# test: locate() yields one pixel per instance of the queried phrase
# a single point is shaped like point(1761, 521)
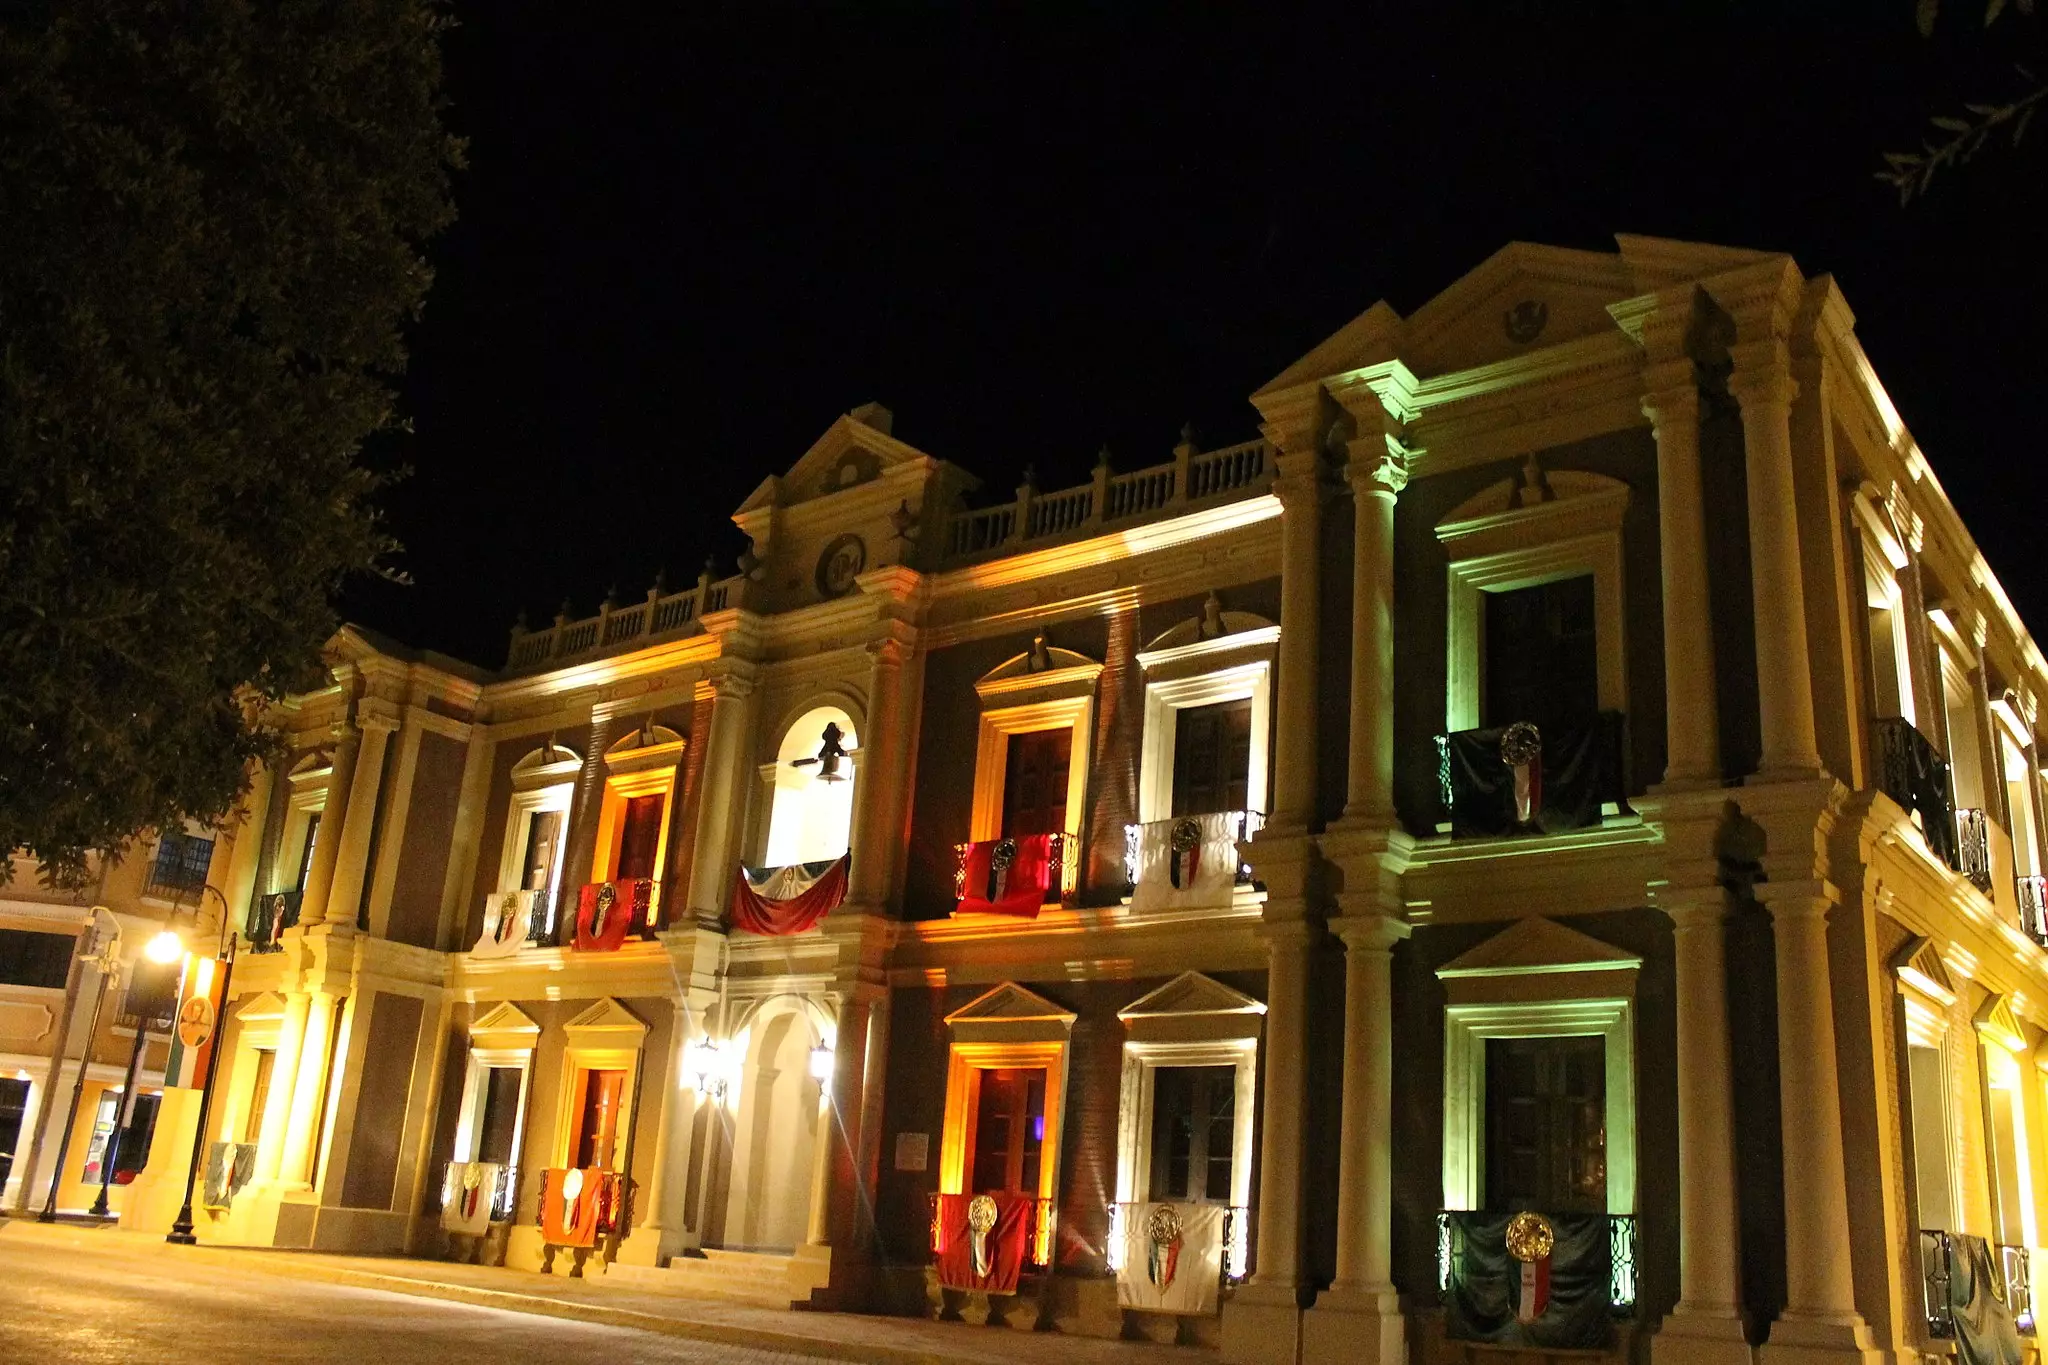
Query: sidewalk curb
point(280, 1264)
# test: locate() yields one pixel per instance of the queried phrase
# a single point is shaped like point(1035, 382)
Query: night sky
point(693, 234)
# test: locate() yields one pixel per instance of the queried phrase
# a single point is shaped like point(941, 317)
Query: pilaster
point(1671, 400)
point(719, 811)
point(1295, 428)
point(333, 815)
point(1377, 472)
point(377, 720)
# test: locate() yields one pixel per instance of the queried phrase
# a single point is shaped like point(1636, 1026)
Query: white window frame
point(1233, 667)
point(1016, 701)
point(503, 1038)
point(306, 797)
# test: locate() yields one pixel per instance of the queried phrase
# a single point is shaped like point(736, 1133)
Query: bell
point(830, 752)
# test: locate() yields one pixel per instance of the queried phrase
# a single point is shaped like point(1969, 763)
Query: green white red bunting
point(198, 1022)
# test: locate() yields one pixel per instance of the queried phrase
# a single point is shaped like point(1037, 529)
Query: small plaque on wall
point(913, 1151)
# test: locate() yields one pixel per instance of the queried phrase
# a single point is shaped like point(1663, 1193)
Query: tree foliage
point(211, 221)
point(1957, 138)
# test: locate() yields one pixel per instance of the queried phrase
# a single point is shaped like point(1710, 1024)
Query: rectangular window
point(1194, 1121)
point(2019, 804)
point(543, 844)
point(136, 1137)
point(1009, 1130)
point(2003, 1125)
point(1212, 757)
point(30, 958)
point(13, 1109)
point(306, 852)
point(259, 1095)
point(501, 1115)
point(1542, 659)
point(1927, 1092)
point(1546, 1124)
point(599, 1097)
point(1035, 782)
point(1965, 762)
point(180, 866)
point(639, 837)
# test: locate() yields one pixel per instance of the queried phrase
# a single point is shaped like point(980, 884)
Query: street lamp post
point(224, 953)
point(163, 950)
point(106, 956)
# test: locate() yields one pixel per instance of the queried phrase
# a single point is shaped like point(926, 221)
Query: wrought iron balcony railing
point(1973, 846)
point(1939, 1251)
point(1246, 823)
point(2033, 899)
point(1623, 1257)
point(614, 1201)
point(1037, 1251)
point(270, 914)
point(1517, 779)
point(1912, 773)
point(504, 1194)
point(1237, 1238)
point(1062, 865)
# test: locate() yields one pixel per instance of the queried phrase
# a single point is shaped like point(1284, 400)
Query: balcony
point(2033, 899)
point(1037, 1249)
point(1189, 861)
point(504, 1194)
point(1237, 1238)
point(1515, 780)
point(270, 914)
point(613, 1203)
point(1193, 478)
point(1475, 1263)
point(1911, 773)
point(1973, 847)
point(660, 616)
point(1945, 1271)
point(1016, 875)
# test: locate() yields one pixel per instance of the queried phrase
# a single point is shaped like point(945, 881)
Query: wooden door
point(1194, 1126)
point(639, 837)
point(601, 1096)
point(1009, 1130)
point(1035, 782)
point(1212, 757)
point(1542, 657)
point(1546, 1124)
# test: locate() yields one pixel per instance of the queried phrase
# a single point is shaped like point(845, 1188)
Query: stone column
point(1377, 474)
point(300, 1161)
point(377, 720)
point(1762, 382)
point(274, 1122)
point(660, 1232)
point(722, 809)
point(333, 815)
point(583, 814)
point(1706, 1327)
point(1691, 712)
point(834, 1259)
point(1360, 1318)
point(1299, 488)
point(1820, 1317)
point(880, 768)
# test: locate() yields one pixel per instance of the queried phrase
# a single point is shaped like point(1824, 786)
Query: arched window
point(812, 815)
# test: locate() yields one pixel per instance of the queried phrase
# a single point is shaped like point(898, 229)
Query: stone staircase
point(753, 1277)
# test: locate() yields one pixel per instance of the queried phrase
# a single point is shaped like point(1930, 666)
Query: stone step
point(752, 1277)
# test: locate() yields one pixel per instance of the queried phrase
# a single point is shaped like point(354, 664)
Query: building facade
point(1575, 763)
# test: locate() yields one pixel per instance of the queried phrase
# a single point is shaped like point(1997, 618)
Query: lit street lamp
point(224, 953)
point(161, 952)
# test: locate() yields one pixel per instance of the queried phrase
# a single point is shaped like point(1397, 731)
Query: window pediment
point(1997, 1024)
point(606, 1023)
point(1009, 1013)
point(1918, 965)
point(504, 1025)
point(1539, 958)
point(263, 1008)
point(1041, 672)
point(1190, 993)
point(1534, 507)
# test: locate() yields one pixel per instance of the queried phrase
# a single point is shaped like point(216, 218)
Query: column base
point(1808, 1339)
point(1362, 1325)
point(1262, 1326)
point(1701, 1337)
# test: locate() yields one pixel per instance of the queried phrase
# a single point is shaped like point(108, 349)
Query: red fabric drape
point(1004, 1244)
point(625, 910)
point(1021, 889)
point(754, 913)
point(569, 1219)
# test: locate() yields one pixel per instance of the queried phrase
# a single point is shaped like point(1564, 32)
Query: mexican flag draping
point(1172, 1258)
point(773, 901)
point(570, 1204)
point(1516, 778)
point(1008, 876)
point(466, 1199)
point(198, 1022)
point(607, 911)
point(981, 1239)
point(1980, 1302)
point(508, 922)
point(1187, 861)
point(1527, 1279)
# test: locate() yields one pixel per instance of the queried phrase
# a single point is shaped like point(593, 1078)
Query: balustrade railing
point(1973, 846)
point(660, 613)
point(2033, 899)
point(1915, 775)
point(1939, 1254)
point(1194, 477)
point(270, 914)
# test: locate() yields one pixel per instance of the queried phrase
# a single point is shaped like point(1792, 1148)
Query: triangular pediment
point(1521, 299)
point(606, 1016)
point(503, 1019)
point(261, 1008)
point(1371, 338)
point(1190, 993)
point(1010, 1003)
point(1918, 964)
point(1538, 945)
point(1656, 263)
point(852, 451)
point(1996, 1023)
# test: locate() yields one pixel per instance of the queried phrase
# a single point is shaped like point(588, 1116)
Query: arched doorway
point(775, 1134)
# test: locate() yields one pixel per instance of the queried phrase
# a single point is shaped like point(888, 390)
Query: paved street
point(83, 1307)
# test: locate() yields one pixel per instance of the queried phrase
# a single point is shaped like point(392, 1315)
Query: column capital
point(1763, 375)
point(1708, 910)
point(734, 683)
point(1671, 393)
point(1298, 475)
point(1796, 902)
point(1370, 933)
point(375, 713)
point(1288, 933)
point(1378, 466)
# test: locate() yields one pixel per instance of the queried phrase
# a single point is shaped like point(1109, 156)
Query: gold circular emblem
point(572, 1186)
point(1530, 1236)
point(1520, 743)
point(1186, 835)
point(1003, 854)
point(472, 1177)
point(1163, 1225)
point(981, 1213)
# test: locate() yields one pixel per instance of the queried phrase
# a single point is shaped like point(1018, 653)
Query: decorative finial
point(1212, 618)
point(1102, 456)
